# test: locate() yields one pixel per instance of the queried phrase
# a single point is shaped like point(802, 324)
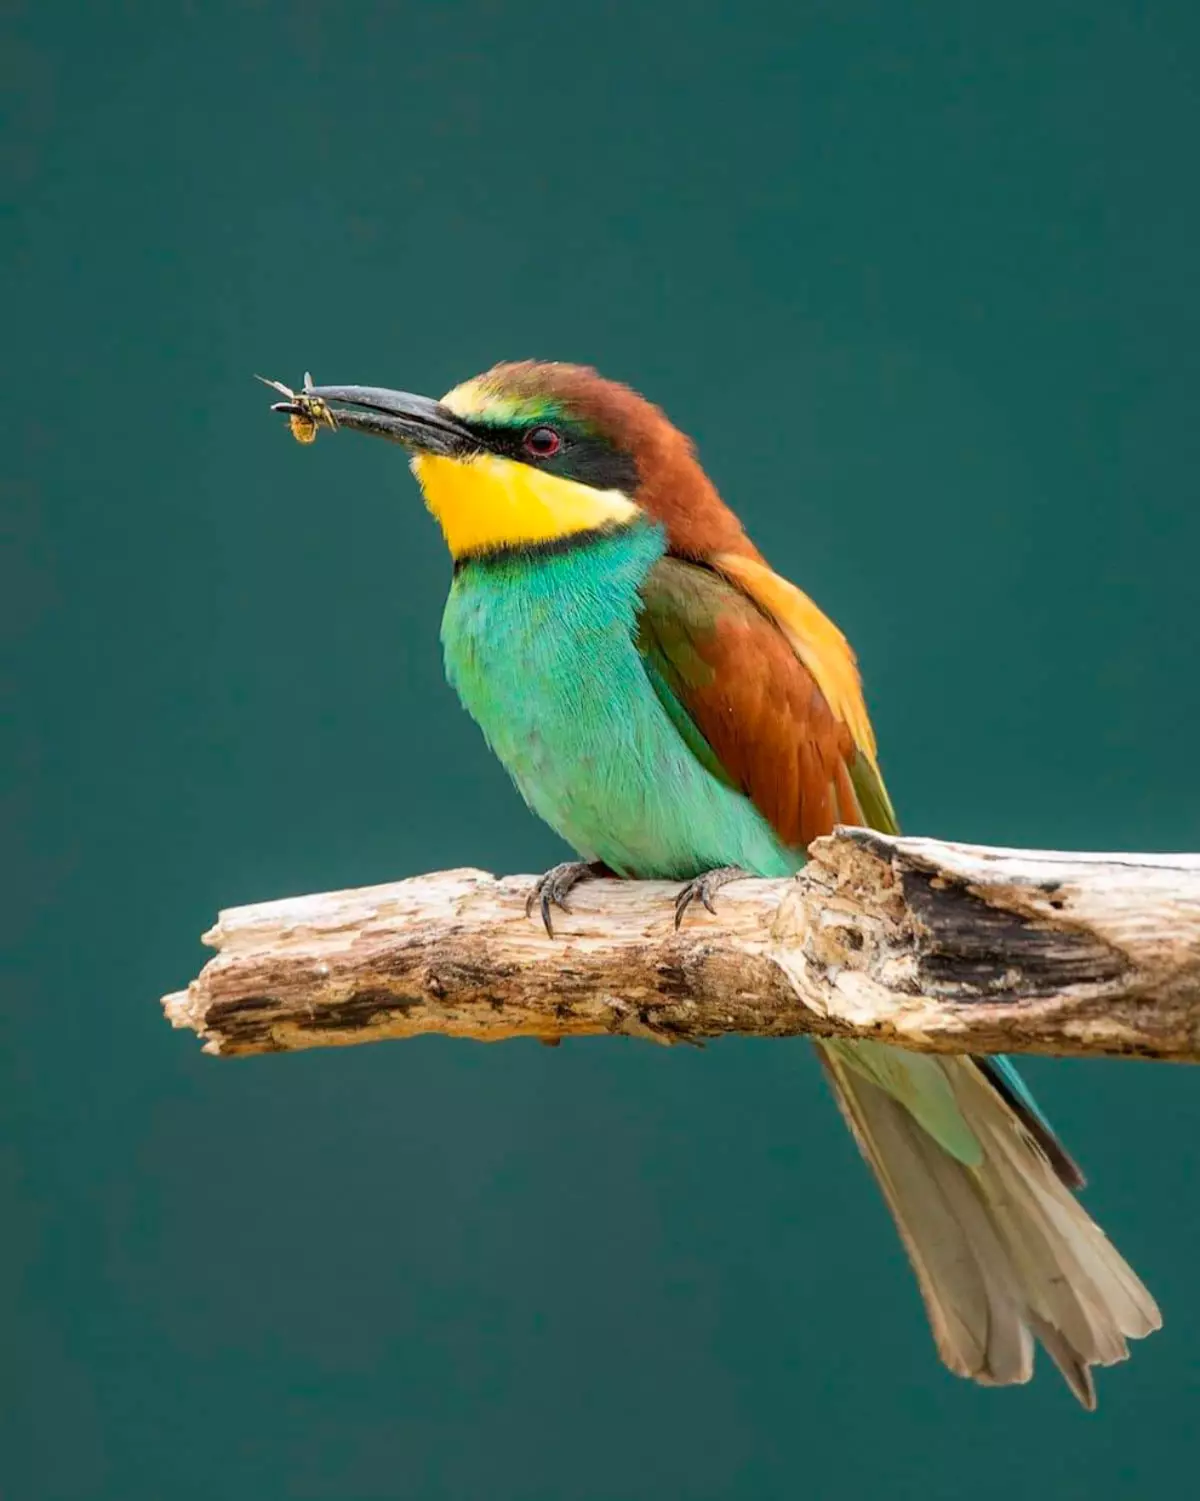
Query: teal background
point(922, 281)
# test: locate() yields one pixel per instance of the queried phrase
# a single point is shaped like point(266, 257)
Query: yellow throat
point(487, 502)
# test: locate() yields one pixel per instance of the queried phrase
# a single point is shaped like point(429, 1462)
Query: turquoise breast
point(540, 648)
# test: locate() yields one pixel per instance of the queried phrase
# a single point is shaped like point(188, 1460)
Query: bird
point(675, 709)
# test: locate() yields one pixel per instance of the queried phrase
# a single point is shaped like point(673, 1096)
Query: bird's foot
point(705, 887)
point(552, 889)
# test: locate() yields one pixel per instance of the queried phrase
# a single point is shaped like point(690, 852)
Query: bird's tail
point(981, 1193)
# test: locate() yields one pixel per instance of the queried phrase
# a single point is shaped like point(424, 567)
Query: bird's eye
point(542, 442)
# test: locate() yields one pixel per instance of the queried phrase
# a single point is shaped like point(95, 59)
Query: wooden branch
point(934, 946)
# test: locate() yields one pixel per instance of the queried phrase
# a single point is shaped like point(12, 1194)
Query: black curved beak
point(416, 421)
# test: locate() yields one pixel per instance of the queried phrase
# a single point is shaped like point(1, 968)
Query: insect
point(305, 413)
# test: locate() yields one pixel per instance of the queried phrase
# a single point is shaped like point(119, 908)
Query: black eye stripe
point(579, 455)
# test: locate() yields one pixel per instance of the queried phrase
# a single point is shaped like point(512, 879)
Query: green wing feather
point(679, 609)
point(877, 810)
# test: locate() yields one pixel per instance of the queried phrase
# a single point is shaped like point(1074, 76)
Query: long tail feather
point(1003, 1251)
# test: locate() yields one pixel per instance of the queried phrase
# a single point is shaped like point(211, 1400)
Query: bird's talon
point(552, 889)
point(706, 887)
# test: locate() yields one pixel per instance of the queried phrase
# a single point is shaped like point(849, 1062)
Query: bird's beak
point(416, 421)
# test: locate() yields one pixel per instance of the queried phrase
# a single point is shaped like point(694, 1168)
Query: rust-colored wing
point(758, 685)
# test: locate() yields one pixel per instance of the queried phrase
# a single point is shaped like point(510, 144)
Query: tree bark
point(933, 946)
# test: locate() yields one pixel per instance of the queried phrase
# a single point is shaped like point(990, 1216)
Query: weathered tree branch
point(939, 947)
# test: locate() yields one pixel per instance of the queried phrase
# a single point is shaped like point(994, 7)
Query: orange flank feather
point(828, 656)
point(757, 705)
point(813, 637)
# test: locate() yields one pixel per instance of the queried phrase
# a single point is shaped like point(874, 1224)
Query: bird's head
point(533, 454)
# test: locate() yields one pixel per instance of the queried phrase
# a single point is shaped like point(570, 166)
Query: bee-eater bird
point(676, 710)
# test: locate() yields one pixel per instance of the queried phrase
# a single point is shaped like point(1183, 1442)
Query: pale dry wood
point(935, 946)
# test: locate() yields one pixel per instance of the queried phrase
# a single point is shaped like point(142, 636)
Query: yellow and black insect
point(305, 413)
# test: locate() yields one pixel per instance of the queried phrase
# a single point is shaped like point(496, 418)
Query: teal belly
point(541, 652)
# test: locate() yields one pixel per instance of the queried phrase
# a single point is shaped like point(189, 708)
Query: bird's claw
point(552, 889)
point(704, 888)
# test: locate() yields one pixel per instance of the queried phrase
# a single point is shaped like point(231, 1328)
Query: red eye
point(542, 442)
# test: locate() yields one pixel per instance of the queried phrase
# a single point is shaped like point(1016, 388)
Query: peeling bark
point(934, 946)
